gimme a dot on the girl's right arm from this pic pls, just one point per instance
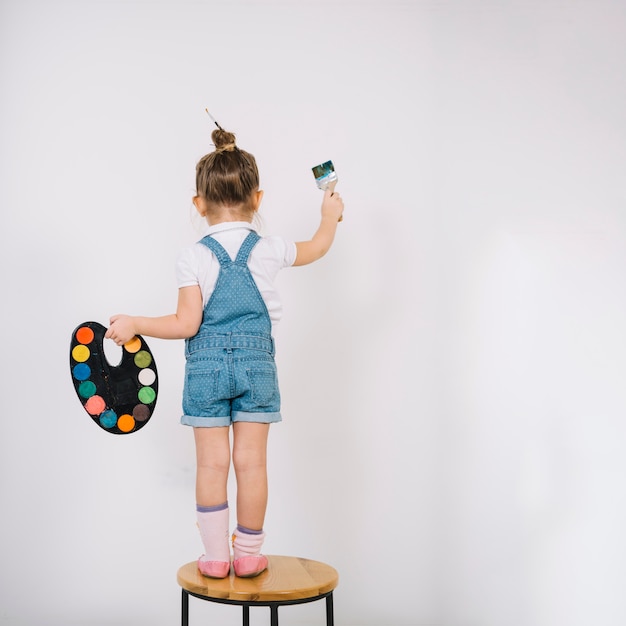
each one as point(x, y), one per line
point(180, 325)
point(319, 244)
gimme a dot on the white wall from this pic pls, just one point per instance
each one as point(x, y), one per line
point(452, 373)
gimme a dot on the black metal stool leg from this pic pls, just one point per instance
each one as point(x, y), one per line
point(330, 616)
point(246, 615)
point(274, 615)
point(184, 620)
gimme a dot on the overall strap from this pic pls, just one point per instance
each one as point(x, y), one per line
point(223, 257)
point(246, 247)
point(217, 249)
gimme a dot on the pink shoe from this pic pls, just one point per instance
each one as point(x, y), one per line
point(250, 566)
point(214, 569)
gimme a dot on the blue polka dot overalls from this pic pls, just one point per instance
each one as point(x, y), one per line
point(230, 373)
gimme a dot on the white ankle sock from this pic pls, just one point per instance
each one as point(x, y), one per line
point(213, 524)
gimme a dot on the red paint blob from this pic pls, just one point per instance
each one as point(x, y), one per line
point(95, 405)
point(84, 335)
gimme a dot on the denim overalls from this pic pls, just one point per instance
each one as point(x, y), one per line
point(230, 374)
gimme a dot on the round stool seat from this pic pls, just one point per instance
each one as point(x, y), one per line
point(287, 580)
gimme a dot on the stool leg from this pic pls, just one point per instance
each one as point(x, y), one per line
point(246, 615)
point(185, 609)
point(274, 614)
point(330, 616)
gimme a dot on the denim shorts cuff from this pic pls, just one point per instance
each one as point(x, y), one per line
point(204, 422)
point(261, 418)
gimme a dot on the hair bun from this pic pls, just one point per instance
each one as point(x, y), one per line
point(223, 140)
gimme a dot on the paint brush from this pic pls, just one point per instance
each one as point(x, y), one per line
point(214, 120)
point(325, 176)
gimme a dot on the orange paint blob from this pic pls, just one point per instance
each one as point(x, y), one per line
point(126, 423)
point(84, 335)
point(133, 345)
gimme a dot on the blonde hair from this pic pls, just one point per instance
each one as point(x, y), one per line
point(227, 176)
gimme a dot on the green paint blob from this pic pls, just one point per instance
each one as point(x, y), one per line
point(146, 395)
point(87, 389)
point(143, 359)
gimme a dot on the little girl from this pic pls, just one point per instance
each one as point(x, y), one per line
point(227, 304)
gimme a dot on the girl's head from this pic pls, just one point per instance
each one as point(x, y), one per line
point(227, 181)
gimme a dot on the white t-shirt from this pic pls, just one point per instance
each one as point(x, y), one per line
point(197, 265)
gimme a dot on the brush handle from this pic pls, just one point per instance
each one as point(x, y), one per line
point(331, 187)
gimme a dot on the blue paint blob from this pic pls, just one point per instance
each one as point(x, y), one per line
point(108, 418)
point(81, 371)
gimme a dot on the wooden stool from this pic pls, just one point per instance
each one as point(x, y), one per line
point(287, 580)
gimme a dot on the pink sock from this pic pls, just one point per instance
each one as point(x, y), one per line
point(247, 542)
point(213, 524)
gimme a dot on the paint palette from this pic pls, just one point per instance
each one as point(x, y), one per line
point(120, 399)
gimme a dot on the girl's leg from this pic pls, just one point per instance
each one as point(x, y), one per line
point(213, 462)
point(250, 462)
point(212, 465)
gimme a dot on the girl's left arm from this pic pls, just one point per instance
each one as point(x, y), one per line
point(180, 325)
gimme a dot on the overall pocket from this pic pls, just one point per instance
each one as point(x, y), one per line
point(201, 390)
point(264, 385)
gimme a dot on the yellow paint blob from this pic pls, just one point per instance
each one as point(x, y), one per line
point(81, 353)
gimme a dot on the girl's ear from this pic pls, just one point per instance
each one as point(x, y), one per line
point(257, 198)
point(199, 203)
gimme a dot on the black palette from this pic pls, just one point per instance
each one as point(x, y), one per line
point(120, 399)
